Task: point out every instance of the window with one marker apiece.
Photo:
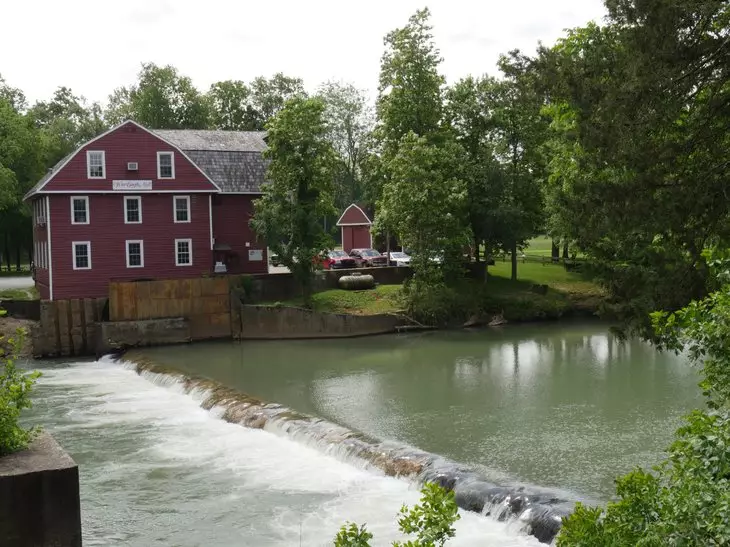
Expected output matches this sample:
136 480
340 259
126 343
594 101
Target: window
96 164
132 210
79 210
182 208
81 255
135 254
183 252
165 165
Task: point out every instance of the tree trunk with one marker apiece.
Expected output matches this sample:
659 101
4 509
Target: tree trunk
514 261
566 256
6 251
555 252
17 258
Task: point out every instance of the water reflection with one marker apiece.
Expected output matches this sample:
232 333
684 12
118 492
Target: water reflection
567 406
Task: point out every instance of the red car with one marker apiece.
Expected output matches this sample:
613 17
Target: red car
337 260
368 258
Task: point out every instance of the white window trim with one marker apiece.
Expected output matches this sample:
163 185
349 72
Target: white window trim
174 210
73 253
141 252
103 163
88 210
138 199
190 249
172 164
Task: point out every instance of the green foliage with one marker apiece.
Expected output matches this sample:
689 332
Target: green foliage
639 147
350 535
289 215
349 121
230 109
424 203
431 521
15 389
161 98
686 500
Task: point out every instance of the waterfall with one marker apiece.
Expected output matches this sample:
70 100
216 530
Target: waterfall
538 513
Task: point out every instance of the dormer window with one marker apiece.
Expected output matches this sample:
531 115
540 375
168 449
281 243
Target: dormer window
165 165
95 164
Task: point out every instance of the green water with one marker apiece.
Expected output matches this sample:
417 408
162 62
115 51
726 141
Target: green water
563 406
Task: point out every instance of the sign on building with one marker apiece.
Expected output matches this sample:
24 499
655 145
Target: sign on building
125 185
255 255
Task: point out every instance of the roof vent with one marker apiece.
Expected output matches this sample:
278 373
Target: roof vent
132 166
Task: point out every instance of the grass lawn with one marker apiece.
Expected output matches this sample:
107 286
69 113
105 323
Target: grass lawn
382 299
19 294
541 245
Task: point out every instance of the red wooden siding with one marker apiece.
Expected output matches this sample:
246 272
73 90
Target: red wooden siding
356 237
129 143
231 216
354 215
108 233
41 254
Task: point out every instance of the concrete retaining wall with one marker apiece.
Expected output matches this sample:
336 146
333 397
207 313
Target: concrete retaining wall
268 322
131 334
68 327
39 497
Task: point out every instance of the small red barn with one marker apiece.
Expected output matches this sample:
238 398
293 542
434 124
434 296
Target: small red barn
355 227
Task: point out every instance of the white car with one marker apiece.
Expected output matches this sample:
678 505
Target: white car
399 259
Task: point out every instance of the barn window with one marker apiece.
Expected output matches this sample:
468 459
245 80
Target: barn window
96 164
181 208
135 254
183 252
81 255
132 210
79 209
165 165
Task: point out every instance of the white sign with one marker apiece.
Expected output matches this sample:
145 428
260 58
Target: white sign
131 185
255 255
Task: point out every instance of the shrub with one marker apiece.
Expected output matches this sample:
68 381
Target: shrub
15 388
431 521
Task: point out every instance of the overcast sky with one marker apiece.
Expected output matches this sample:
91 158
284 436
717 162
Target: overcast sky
93 46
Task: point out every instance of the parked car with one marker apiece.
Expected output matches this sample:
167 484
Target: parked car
399 258
274 259
337 260
368 258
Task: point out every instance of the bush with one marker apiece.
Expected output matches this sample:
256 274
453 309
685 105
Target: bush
15 388
438 304
431 521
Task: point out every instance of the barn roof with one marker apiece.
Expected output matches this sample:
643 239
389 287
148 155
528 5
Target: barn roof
233 159
354 216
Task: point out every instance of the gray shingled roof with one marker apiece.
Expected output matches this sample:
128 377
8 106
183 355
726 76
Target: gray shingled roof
231 158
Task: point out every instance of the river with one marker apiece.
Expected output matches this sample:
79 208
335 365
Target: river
561 407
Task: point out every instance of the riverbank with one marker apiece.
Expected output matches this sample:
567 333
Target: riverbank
541 292
9 327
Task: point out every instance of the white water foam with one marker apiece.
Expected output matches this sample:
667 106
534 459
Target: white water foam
156 469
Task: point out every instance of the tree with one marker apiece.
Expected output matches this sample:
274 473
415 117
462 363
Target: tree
685 500
470 108
423 197
519 134
349 122
649 96
230 109
160 99
268 97
21 165
289 215
425 202
431 521
65 123
409 90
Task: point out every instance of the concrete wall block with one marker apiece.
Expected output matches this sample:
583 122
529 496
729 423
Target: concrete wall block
39 497
155 332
